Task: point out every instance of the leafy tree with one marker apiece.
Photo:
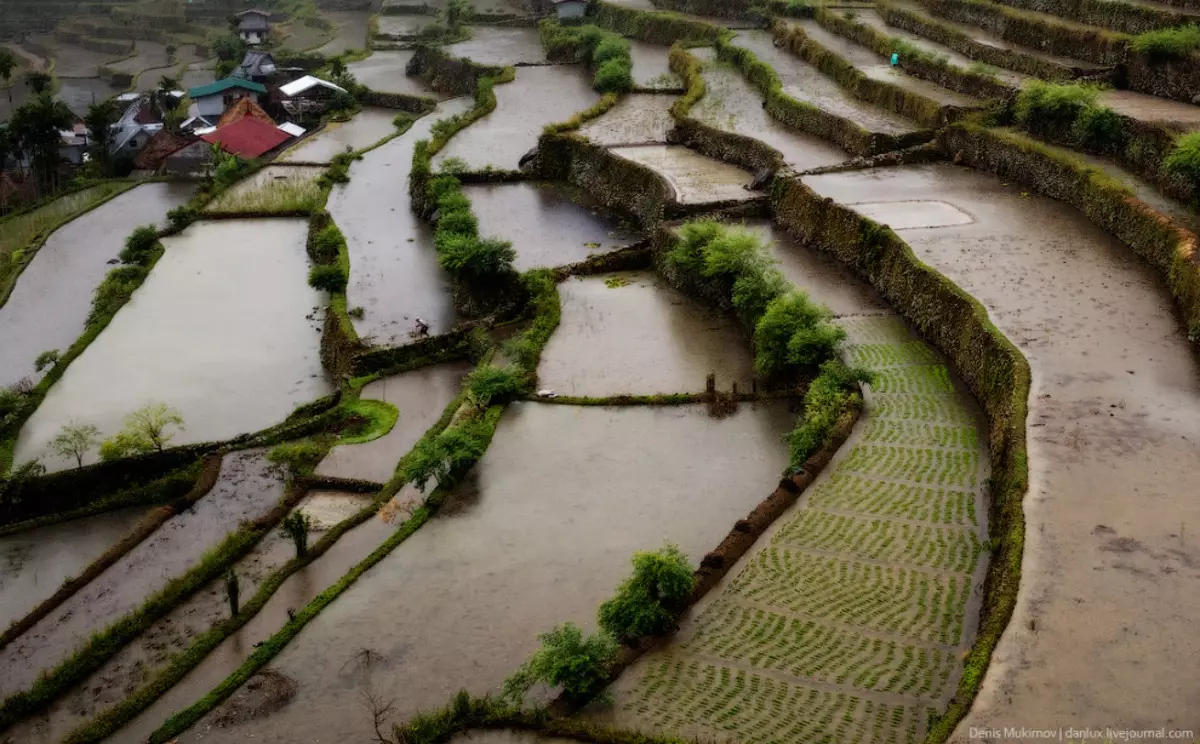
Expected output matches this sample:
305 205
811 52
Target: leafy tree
99 120
491 383
296 526
140 245
443 457
567 659
232 592
458 12
172 50
46 359
646 602
794 331
146 430
8 63
37 124
75 440
38 82
229 48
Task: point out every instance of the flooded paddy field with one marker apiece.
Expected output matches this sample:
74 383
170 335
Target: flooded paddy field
150 55
637 119
251 193
384 71
71 61
631 333
422 396
695 178
730 103
352 26
394 273
34 563
651 65
429 611
221 331
548 224
53 296
506 736
804 82
1114 450
539 96
79 93
366 128
247 488
498 45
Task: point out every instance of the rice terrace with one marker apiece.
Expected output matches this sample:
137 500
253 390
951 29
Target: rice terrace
603 371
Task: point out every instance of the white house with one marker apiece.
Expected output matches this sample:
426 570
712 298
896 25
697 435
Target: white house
254 26
214 99
568 9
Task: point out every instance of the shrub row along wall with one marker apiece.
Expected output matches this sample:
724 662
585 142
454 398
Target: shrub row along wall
447 74
103 46
399 102
1125 17
747 152
1170 248
1167 78
327 248
656 27
887 95
916 61
616 182
944 33
994 370
804 117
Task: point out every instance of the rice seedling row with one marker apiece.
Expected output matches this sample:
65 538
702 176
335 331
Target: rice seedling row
878 356
847 492
940 408
913 379
920 434
918 465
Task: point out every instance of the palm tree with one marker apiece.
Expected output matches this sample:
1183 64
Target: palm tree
99 120
163 97
37 125
8 63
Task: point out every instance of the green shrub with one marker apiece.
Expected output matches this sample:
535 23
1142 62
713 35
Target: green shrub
1098 128
1184 158
474 258
1041 104
453 201
116 289
688 254
442 186
327 244
299 457
614 76
824 402
327 278
459 221
610 47
297 526
46 359
445 457
181 217
577 664
492 384
139 246
646 603
793 331
1167 43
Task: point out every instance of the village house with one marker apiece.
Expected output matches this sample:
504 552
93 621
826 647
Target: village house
140 121
212 100
307 96
254 26
257 66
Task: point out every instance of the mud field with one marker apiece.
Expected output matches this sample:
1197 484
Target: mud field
637 119
694 178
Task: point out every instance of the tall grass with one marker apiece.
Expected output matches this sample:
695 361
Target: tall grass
1184 158
285 196
1167 43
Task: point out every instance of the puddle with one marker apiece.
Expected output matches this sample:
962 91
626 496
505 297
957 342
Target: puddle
805 83
247 488
35 563
1114 450
539 96
651 65
328 508
394 274
496 45
422 396
731 104
461 602
637 119
366 128
53 296
218 331
639 336
384 72
696 179
548 224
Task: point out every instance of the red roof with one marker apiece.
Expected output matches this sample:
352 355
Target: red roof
248 138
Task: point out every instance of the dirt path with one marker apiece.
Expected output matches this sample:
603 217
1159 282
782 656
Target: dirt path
1106 612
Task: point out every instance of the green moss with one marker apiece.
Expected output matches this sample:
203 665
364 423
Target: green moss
1184 158
380 418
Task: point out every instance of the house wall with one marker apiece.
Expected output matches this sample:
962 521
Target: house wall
252 37
570 10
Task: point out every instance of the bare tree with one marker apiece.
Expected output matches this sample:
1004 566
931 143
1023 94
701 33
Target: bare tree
75 440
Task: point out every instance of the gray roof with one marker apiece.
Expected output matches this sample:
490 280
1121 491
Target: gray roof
253 22
256 64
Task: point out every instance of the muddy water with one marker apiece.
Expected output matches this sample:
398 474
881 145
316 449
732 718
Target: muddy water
366 128
730 103
651 65
459 604
247 488
497 45
548 224
327 508
218 331
422 396
138 662
696 178
300 588
878 68
394 275
1112 563
539 96
804 82
53 296
637 119
36 563
640 336
384 72
74 61
351 31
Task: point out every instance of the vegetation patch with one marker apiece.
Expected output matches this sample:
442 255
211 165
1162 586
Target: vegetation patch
656 27
604 52
368 420
285 196
1167 43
